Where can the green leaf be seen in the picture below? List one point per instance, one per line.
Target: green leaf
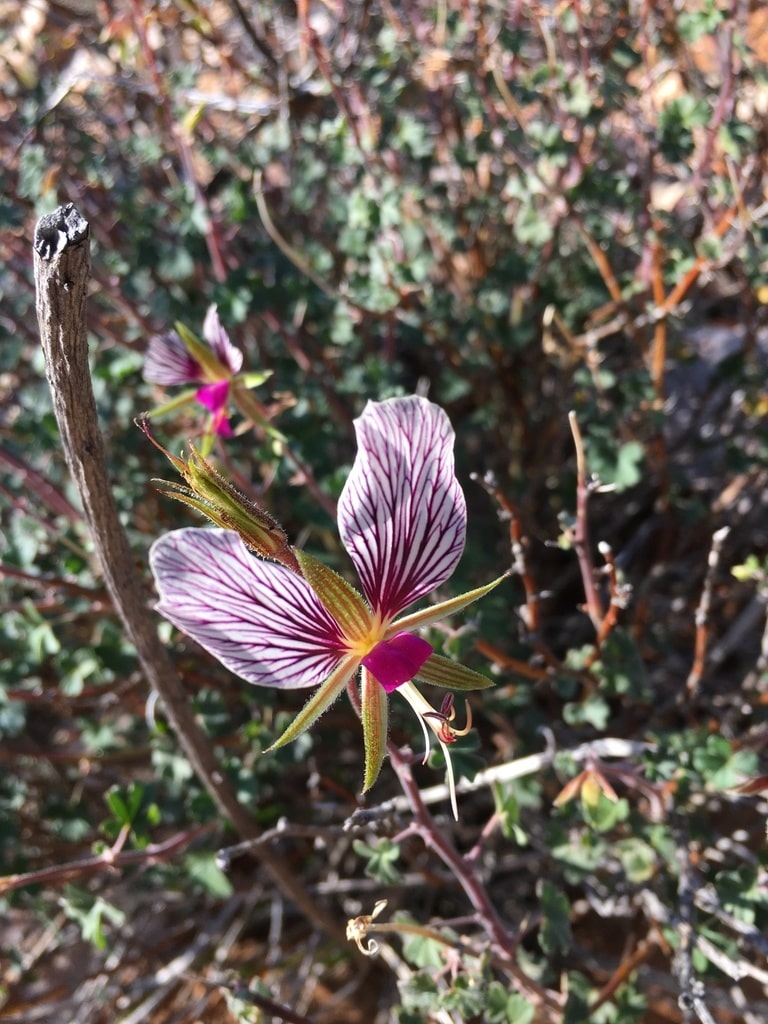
(628, 465)
(577, 1006)
(508, 811)
(421, 951)
(13, 716)
(89, 913)
(693, 24)
(593, 710)
(531, 227)
(202, 868)
(638, 858)
(621, 668)
(519, 1010)
(606, 813)
(720, 765)
(466, 997)
(382, 856)
(419, 994)
(503, 1007)
(125, 804)
(555, 931)
(677, 121)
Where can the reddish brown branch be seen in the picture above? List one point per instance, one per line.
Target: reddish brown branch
(111, 860)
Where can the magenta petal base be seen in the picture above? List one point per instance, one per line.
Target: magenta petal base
(395, 661)
(213, 396)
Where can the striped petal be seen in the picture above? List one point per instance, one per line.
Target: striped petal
(260, 619)
(402, 515)
(168, 362)
(218, 339)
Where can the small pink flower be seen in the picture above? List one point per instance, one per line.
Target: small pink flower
(173, 359)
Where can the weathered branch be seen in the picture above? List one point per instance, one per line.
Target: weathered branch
(62, 269)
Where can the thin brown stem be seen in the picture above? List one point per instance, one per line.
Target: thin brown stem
(113, 859)
(702, 612)
(581, 531)
(504, 943)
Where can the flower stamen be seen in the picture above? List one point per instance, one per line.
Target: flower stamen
(445, 731)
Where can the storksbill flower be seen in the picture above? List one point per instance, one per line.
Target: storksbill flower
(402, 519)
(178, 357)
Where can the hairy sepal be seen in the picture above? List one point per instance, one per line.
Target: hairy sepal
(341, 599)
(374, 711)
(203, 356)
(436, 612)
(440, 671)
(320, 702)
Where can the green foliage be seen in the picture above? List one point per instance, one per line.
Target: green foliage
(91, 913)
(381, 857)
(503, 1007)
(508, 810)
(720, 765)
(555, 932)
(423, 951)
(204, 871)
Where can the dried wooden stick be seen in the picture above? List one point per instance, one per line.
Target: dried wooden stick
(702, 612)
(581, 530)
(62, 269)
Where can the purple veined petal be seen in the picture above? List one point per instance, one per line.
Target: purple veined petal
(168, 361)
(393, 662)
(258, 618)
(402, 514)
(214, 396)
(221, 346)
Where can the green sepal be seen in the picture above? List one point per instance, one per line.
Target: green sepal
(209, 492)
(185, 398)
(252, 410)
(441, 671)
(322, 700)
(203, 356)
(229, 508)
(253, 380)
(206, 443)
(340, 598)
(374, 711)
(436, 612)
